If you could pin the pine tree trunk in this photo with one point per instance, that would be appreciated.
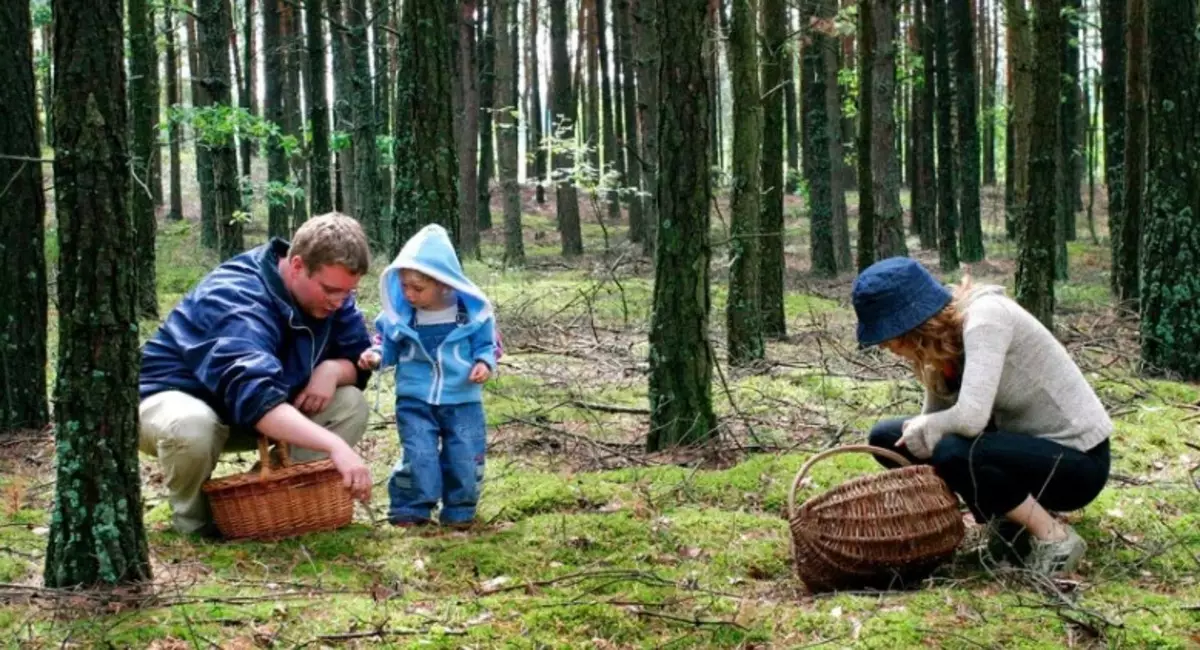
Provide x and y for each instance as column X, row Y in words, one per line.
column 468, row 133
column 248, row 87
column 633, row 170
column 867, row 254
column 1127, row 264
column 839, row 212
column 175, row 172
column 1020, row 58
column 48, row 81
column 991, row 46
column 681, row 410
column 967, row 143
column 342, row 123
column 23, row 292
column 1035, row 261
column 533, row 83
column 563, row 101
column 426, row 160
column 273, row 73
column 317, row 96
column 381, row 17
column 1112, row 74
column 612, row 161
column 644, row 16
column 947, row 220
column 776, row 72
column 743, row 324
column 368, row 208
column 1069, row 123
column 816, row 139
column 924, row 192
column 1064, row 209
column 96, row 534
column 1170, row 328
column 487, row 92
column 791, row 72
column 885, row 161
column 204, row 166
column 507, row 101
column 213, row 24
column 591, row 97
column 718, row 31
column 295, row 47
column 143, row 96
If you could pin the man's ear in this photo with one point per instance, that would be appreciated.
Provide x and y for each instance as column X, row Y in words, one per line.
column 296, row 263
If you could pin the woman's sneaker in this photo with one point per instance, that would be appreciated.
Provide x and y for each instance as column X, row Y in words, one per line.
column 1059, row 556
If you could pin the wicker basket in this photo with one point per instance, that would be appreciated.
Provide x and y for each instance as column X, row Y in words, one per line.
column 882, row 531
column 275, row 503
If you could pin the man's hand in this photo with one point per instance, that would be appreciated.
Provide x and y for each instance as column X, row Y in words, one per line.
column 480, row 373
column 355, row 474
column 319, row 391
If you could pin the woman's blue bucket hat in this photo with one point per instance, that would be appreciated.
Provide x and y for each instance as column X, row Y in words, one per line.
column 893, row 296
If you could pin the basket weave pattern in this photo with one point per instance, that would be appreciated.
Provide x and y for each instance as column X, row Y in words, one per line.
column 880, row 531
column 276, row 503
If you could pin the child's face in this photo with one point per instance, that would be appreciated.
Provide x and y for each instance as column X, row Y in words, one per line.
column 422, row 291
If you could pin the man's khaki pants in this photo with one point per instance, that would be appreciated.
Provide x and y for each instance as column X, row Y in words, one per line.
column 188, row 438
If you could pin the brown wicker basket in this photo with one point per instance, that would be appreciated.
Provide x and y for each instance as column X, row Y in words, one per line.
column 275, row 503
column 882, row 531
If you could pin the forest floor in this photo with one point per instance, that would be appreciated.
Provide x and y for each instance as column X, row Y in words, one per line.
column 590, row 542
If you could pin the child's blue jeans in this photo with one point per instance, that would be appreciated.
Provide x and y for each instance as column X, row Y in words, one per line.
column 444, row 452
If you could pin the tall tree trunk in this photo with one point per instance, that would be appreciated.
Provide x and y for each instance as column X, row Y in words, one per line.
column 791, row 72
column 487, row 85
column 468, row 134
column 837, row 181
column 716, row 26
column 204, row 166
column 591, row 97
column 536, row 151
column 296, row 50
column 776, row 73
column 273, row 112
column 924, row 191
column 1127, row 263
column 816, row 139
column 1112, row 75
column 1064, row 207
column 649, row 53
column 743, row 324
column 426, row 161
column 381, row 17
column 867, row 254
column 1020, row 72
column 1069, row 124
column 681, row 410
column 249, row 85
column 633, row 170
column 143, row 96
column 368, row 207
column 563, row 101
column 96, row 534
column 343, row 125
column 317, row 96
column 1170, row 325
column 47, row 31
column 991, row 46
column 967, row 144
column 612, row 161
column 885, row 159
column 23, row 292
column 1035, row 261
column 174, row 100
column 213, row 25
column 947, row 220
column 506, row 102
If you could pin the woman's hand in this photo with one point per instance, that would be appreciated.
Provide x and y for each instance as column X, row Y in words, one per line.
column 917, row 437
column 369, row 360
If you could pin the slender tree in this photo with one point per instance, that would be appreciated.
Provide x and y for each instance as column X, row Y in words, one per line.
column 294, row 112
column 681, row 410
column 867, row 254
column 791, row 121
column 924, row 191
column 96, row 533
column 23, row 293
column 381, row 17
column 649, row 54
column 204, row 166
column 426, row 161
column 317, row 96
column 989, row 46
column 536, row 157
column 487, row 92
column 612, row 161
column 213, row 24
column 247, row 89
column 1170, row 325
column 1112, row 74
column 343, row 126
column 506, row 127
column 1020, row 74
column 818, row 167
column 1035, row 260
column 174, row 100
column 368, row 206
column 947, row 218
column 466, row 92
column 273, row 74
column 776, row 74
column 629, row 101
column 885, row 159
column 563, row 102
column 967, row 142
column 143, row 96
column 838, row 180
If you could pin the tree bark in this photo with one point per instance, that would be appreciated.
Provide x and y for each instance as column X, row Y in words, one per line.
column 466, row 125
column 204, row 166
column 321, row 193
column 23, row 291
column 507, row 103
column 680, row 387
column 867, row 254
column 1035, row 261
column 296, row 51
column 839, row 213
column 885, row 159
column 743, row 323
column 175, row 173
column 924, row 191
column 248, row 87
column 273, row 112
column 368, row 207
column 967, row 142
column 947, row 219
column 816, row 138
column 566, row 197
column 143, row 97
column 1112, row 74
column 649, row 52
column 213, row 24
column 631, row 141
column 1127, row 263
column 1170, row 328
column 381, row 17
column 487, row 86
column 535, row 149
column 96, row 534
column 1020, row 73
column 342, row 124
column 612, row 161
column 776, row 75
column 791, row 71
column 426, row 161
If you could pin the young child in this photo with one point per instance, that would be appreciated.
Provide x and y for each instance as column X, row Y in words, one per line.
column 437, row 328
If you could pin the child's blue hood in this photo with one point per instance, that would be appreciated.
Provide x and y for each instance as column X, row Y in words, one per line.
column 430, row 252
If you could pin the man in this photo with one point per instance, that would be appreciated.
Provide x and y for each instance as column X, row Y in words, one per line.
column 265, row 344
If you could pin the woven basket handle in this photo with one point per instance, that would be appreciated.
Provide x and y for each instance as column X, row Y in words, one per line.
column 845, row 449
column 264, row 456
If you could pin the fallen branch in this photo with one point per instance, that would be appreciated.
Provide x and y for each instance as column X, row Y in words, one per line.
column 384, row 633
column 608, row 408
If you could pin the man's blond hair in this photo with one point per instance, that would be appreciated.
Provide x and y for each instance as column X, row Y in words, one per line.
column 329, row 239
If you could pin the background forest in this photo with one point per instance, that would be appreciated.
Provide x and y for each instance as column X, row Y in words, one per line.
column 668, row 201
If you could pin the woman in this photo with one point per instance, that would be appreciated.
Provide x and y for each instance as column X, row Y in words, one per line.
column 1009, row 422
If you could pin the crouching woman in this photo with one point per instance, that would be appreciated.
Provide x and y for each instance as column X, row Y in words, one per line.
column 1009, row 422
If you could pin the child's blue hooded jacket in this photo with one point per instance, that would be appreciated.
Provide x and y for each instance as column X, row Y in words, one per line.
column 438, row 376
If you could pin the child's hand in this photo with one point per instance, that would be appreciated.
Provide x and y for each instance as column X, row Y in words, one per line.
column 480, row 373
column 369, row 360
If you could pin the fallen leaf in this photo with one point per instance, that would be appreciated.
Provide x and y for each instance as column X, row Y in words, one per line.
column 495, row 583
column 836, row 612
